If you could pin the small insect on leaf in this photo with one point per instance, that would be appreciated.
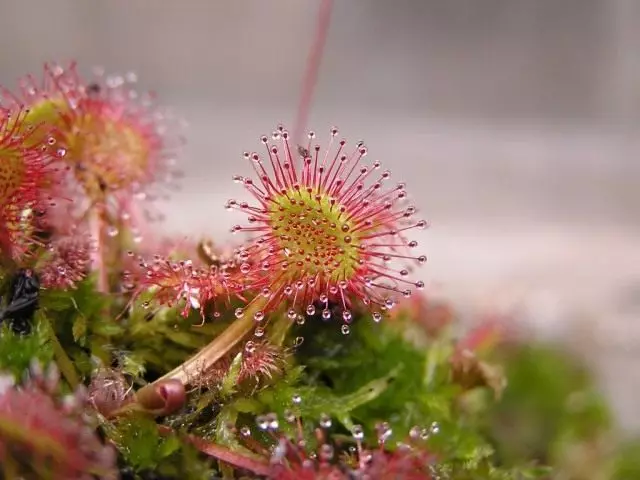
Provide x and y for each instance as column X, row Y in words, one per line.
column 303, row 152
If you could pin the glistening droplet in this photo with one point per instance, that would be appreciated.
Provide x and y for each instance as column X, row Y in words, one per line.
column 325, row 420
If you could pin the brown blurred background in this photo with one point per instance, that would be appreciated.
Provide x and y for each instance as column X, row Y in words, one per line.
column 515, row 123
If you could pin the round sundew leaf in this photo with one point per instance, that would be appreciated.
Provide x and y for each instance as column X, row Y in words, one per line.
column 329, row 231
column 313, row 232
column 111, row 151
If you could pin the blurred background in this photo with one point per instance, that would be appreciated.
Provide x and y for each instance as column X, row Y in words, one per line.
column 515, row 123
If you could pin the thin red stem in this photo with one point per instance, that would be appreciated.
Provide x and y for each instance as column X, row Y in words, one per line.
column 224, row 454
column 313, row 66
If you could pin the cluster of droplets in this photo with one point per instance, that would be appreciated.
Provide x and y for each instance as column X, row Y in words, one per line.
column 181, row 283
column 291, row 458
column 327, row 233
column 260, row 361
column 68, row 262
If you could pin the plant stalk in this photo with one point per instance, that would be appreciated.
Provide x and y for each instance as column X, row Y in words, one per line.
column 312, row 68
column 218, row 348
column 97, row 228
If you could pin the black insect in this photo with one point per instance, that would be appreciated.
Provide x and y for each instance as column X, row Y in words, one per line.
column 93, row 89
column 303, row 152
column 22, row 301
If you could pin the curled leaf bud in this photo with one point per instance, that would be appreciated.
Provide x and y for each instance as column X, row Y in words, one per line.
column 162, row 398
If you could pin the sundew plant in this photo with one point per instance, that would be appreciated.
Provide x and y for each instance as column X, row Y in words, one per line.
column 304, row 349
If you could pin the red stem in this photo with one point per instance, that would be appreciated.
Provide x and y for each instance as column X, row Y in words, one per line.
column 224, row 454
column 313, row 66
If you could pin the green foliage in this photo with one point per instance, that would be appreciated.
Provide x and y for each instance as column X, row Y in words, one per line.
column 144, row 449
column 18, row 351
column 627, row 462
column 551, row 400
column 401, row 383
column 550, row 413
column 145, row 341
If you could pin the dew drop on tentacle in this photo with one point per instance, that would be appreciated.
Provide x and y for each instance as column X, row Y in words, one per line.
column 384, row 432
column 262, row 422
column 325, row 420
column 272, row 421
column 289, row 416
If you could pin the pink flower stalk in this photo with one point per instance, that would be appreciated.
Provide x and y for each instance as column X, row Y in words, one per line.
column 51, row 434
column 68, row 263
column 327, row 231
column 117, row 143
column 26, row 182
column 180, row 283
